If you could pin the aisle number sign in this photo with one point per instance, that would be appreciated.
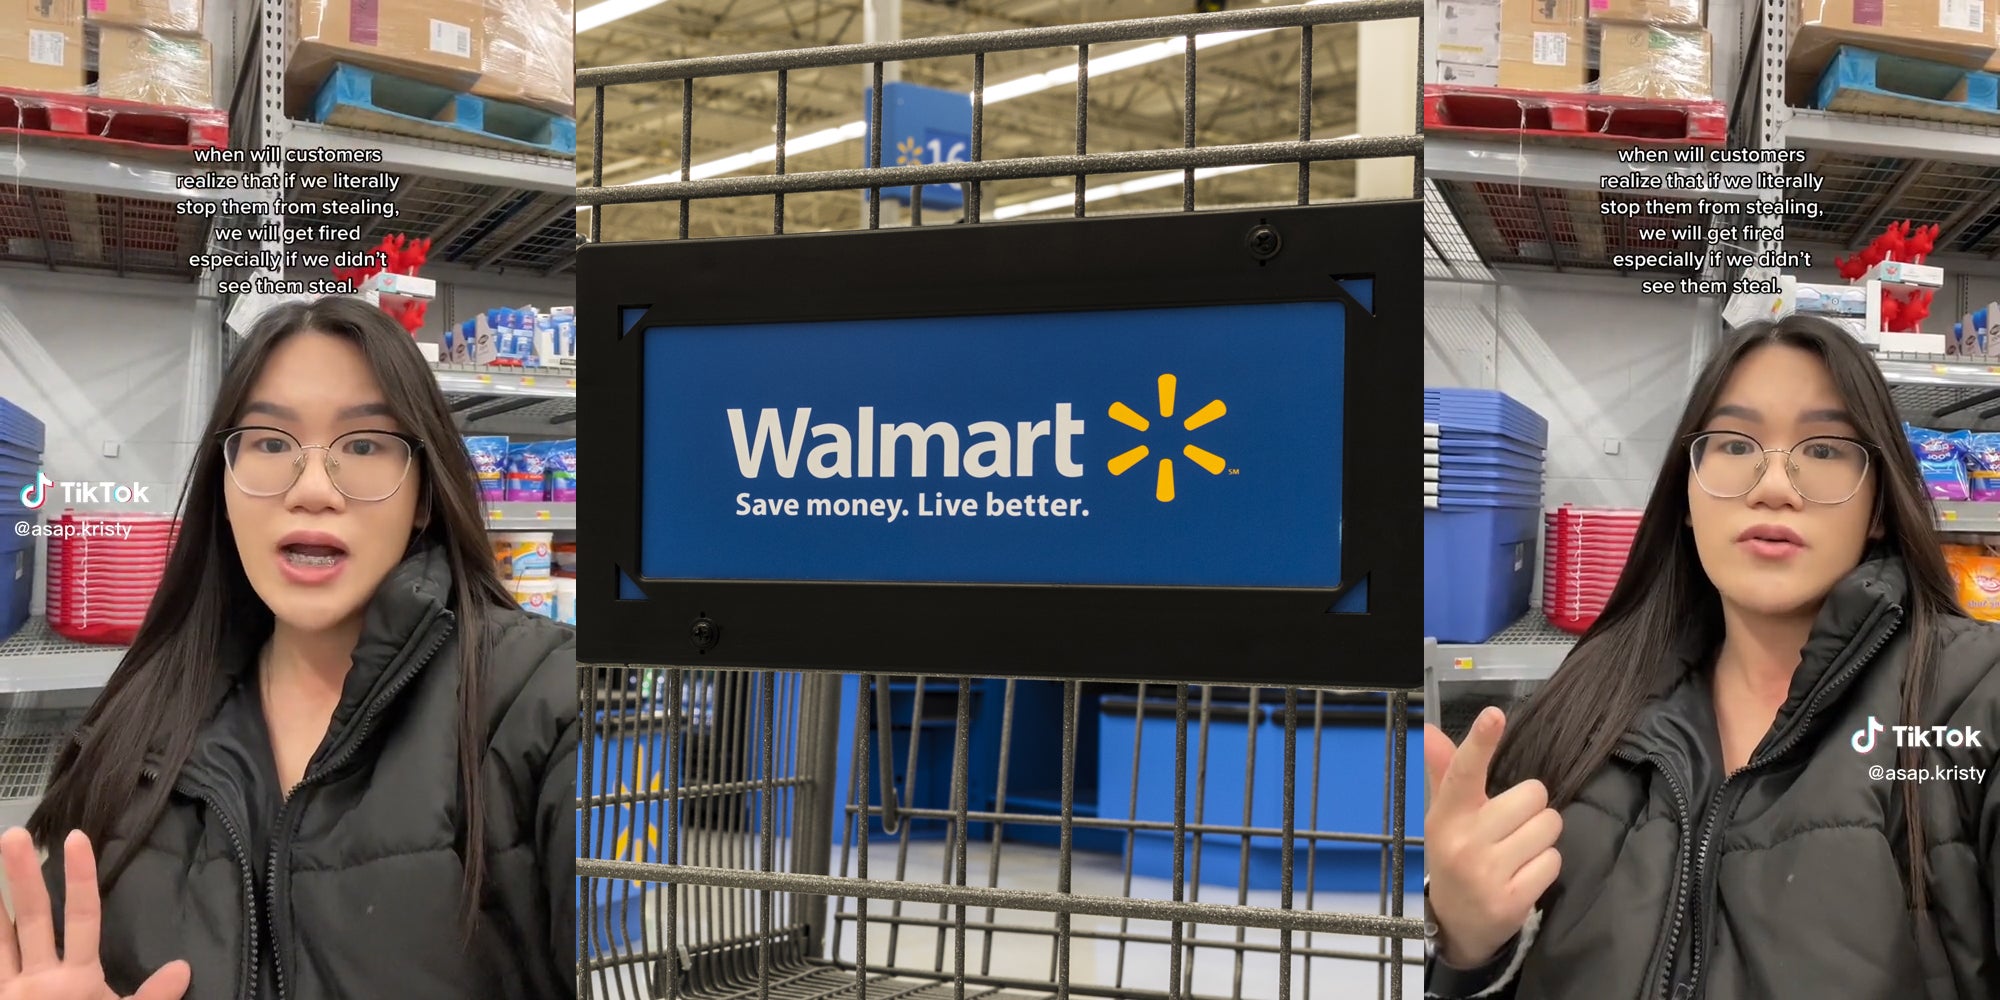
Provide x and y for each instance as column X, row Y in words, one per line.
column 921, row 125
column 1181, row 447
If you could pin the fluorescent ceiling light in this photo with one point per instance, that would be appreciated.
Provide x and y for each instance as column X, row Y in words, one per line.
column 598, row 15
column 1119, row 190
column 1033, row 83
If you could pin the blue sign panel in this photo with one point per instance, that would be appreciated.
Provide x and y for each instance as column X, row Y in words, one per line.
column 922, row 125
column 1142, row 447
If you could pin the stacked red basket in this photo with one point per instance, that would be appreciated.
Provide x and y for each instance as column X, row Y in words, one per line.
column 103, row 571
column 1583, row 551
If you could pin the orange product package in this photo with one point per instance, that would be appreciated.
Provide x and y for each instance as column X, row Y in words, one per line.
column 1978, row 577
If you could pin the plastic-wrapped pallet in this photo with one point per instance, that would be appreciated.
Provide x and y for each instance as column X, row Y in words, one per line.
column 530, row 54
column 154, row 67
column 1667, row 62
column 1647, row 48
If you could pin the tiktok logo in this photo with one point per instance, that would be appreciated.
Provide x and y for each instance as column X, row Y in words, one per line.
column 35, row 494
column 1864, row 739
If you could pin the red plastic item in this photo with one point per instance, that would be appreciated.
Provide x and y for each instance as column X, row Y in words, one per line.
column 1594, row 119
column 1584, row 552
column 101, row 122
column 100, row 586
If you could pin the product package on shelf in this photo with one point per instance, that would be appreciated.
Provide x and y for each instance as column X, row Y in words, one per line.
column 437, row 42
column 180, row 17
column 524, row 337
column 1976, row 571
column 1680, row 13
column 1952, row 32
column 42, row 45
column 489, row 461
column 530, row 54
column 103, row 571
column 541, row 471
column 154, row 67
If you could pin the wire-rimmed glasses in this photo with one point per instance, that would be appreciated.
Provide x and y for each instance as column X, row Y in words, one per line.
column 365, row 466
column 1824, row 470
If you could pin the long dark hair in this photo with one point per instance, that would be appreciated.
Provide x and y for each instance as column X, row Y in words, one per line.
column 1567, row 731
column 168, row 682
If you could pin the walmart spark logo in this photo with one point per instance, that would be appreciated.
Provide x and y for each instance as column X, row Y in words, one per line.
column 629, row 847
column 1210, row 461
column 909, row 152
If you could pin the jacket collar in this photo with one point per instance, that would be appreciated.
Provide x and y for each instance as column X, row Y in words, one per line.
column 1858, row 616
column 400, row 628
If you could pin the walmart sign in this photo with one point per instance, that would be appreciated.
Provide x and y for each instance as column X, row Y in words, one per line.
column 921, row 125
column 1190, row 447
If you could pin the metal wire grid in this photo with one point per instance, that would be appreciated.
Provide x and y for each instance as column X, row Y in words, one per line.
column 82, row 231
column 1189, row 158
column 29, row 740
column 746, row 801
column 1865, row 193
column 480, row 226
column 1448, row 252
column 36, row 640
column 1564, row 229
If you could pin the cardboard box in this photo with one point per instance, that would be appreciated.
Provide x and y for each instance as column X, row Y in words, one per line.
column 530, row 54
column 1644, row 60
column 41, row 45
column 153, row 67
column 1957, row 32
column 440, row 42
column 182, row 16
column 1468, row 43
column 1680, row 12
column 1543, row 45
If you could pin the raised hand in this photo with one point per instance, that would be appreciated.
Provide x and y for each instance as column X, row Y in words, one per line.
column 30, row 968
column 1489, row 859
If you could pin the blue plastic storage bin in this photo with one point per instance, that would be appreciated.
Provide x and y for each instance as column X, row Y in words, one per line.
column 18, row 426
column 1350, row 776
column 1479, row 459
column 17, row 571
column 1486, row 444
column 1486, row 411
column 1479, row 569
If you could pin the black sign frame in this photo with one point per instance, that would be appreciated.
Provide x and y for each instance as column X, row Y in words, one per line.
column 1287, row 636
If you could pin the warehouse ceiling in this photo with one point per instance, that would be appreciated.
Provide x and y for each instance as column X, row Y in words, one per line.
column 1247, row 92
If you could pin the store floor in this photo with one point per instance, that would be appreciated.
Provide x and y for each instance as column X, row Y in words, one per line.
column 1021, row 956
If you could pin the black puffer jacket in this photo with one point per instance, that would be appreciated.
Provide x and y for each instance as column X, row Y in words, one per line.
column 352, row 887
column 1786, row 880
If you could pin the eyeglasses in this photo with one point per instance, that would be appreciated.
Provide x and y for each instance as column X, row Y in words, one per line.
column 365, row 466
column 1824, row 470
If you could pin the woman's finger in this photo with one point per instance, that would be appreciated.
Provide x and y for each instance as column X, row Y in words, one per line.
column 34, row 920
column 82, row 910
column 170, row 983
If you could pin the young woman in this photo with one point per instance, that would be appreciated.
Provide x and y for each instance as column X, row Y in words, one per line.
column 337, row 760
column 1704, row 802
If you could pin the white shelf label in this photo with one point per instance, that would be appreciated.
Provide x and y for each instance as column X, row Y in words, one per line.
column 451, row 39
column 1962, row 15
column 1551, row 48
column 46, row 48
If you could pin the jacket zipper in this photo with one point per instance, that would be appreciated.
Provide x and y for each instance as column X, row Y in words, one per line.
column 1681, row 887
column 1716, row 811
column 287, row 817
column 250, row 967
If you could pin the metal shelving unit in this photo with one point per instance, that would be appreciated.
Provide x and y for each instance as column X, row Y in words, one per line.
column 531, row 516
column 37, row 660
column 1537, row 206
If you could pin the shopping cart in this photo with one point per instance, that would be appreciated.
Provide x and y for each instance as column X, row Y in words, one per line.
column 807, row 835
column 736, row 840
